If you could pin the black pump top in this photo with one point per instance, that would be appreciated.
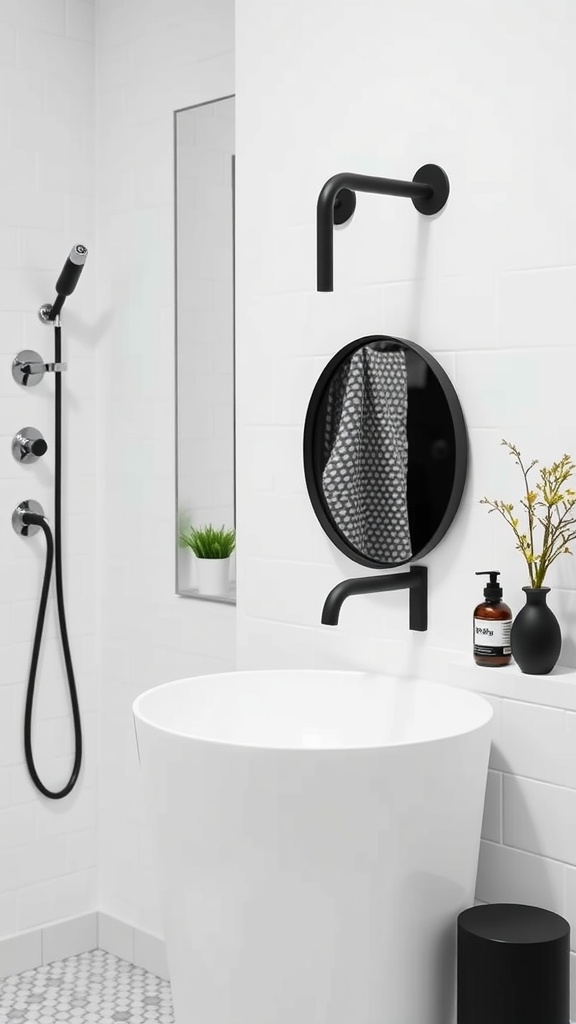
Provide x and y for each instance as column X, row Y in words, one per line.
column 492, row 590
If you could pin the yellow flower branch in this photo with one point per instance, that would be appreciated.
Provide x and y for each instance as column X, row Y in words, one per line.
column 550, row 506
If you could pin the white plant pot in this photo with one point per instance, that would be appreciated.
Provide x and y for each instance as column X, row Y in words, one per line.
column 213, row 576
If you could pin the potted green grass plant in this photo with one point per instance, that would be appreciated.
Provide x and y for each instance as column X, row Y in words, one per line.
column 212, row 549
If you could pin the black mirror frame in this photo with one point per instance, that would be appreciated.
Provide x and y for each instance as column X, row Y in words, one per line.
column 310, row 442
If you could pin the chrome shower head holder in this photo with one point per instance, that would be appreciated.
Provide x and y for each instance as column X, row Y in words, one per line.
column 44, row 313
column 18, row 524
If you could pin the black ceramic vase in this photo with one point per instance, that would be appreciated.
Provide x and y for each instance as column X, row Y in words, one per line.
column 535, row 638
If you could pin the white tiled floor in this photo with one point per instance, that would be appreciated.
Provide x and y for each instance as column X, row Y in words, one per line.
column 91, row 988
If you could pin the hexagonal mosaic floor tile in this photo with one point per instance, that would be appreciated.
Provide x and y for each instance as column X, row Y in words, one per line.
column 91, row 988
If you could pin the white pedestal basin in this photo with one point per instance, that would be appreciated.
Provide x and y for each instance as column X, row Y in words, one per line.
column 318, row 834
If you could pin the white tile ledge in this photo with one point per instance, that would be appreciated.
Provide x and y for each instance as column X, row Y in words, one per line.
column 555, row 690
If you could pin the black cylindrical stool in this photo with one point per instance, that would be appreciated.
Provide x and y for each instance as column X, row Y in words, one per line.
column 513, row 966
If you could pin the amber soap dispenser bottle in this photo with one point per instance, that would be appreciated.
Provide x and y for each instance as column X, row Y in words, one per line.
column 492, row 625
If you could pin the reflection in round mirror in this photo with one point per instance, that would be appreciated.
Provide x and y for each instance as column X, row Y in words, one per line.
column 385, row 451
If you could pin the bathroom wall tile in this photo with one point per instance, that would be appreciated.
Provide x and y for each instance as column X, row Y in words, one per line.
column 41, row 15
column 571, row 903
column 10, row 750
column 69, row 175
column 286, row 602
column 275, row 462
column 20, row 953
column 5, row 787
column 490, row 470
column 150, row 953
column 564, row 606
column 282, row 391
column 44, row 51
column 540, row 818
column 79, row 816
column 66, row 896
column 115, row 937
column 11, row 336
column 18, row 170
column 507, row 875
column 483, row 384
column 80, row 19
column 8, row 45
column 81, row 849
column 34, row 862
column 492, row 821
column 535, row 306
column 68, row 938
column 495, row 726
column 269, row 644
column 536, row 742
column 19, row 289
column 290, row 515
column 9, row 247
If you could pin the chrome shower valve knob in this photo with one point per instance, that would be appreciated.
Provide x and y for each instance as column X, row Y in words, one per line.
column 28, row 368
column 28, row 445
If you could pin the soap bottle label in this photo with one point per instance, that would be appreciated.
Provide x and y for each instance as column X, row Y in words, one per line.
column 492, row 637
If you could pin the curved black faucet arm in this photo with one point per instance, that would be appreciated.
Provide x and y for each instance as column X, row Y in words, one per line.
column 428, row 190
column 416, row 581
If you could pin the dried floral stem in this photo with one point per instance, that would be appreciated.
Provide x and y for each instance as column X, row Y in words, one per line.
column 548, row 506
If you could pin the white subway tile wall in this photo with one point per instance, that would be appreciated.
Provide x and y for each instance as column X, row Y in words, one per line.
column 152, row 58
column 487, row 286
column 47, row 849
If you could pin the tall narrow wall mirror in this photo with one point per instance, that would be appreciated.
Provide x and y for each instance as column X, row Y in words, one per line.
column 204, row 232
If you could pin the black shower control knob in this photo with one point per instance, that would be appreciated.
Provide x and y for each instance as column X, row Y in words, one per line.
column 38, row 447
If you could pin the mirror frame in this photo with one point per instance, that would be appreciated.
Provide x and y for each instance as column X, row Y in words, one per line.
column 311, row 441
column 180, row 591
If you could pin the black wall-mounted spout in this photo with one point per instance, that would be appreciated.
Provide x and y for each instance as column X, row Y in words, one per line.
column 428, row 190
column 416, row 580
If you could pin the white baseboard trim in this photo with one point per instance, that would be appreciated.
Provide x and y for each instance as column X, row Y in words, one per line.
column 38, row 946
column 133, row 944
column 97, row 930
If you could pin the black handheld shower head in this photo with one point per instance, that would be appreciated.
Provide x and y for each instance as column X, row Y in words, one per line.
column 68, row 279
column 71, row 270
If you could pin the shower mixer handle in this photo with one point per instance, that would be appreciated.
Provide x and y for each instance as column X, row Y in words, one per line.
column 28, row 368
column 28, row 445
column 44, row 367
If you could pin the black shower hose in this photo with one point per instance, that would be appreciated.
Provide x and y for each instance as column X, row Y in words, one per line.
column 53, row 555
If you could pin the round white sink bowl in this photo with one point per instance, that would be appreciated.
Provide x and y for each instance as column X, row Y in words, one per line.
column 318, row 834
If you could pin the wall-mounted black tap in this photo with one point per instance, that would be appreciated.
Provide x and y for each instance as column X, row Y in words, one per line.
column 428, row 190
column 416, row 581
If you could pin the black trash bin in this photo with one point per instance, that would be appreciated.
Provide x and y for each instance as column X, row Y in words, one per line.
column 513, row 966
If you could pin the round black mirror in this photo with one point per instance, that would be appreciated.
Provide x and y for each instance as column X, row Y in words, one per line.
column 385, row 451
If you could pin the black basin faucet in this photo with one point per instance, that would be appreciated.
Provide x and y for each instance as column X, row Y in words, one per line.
column 416, row 581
